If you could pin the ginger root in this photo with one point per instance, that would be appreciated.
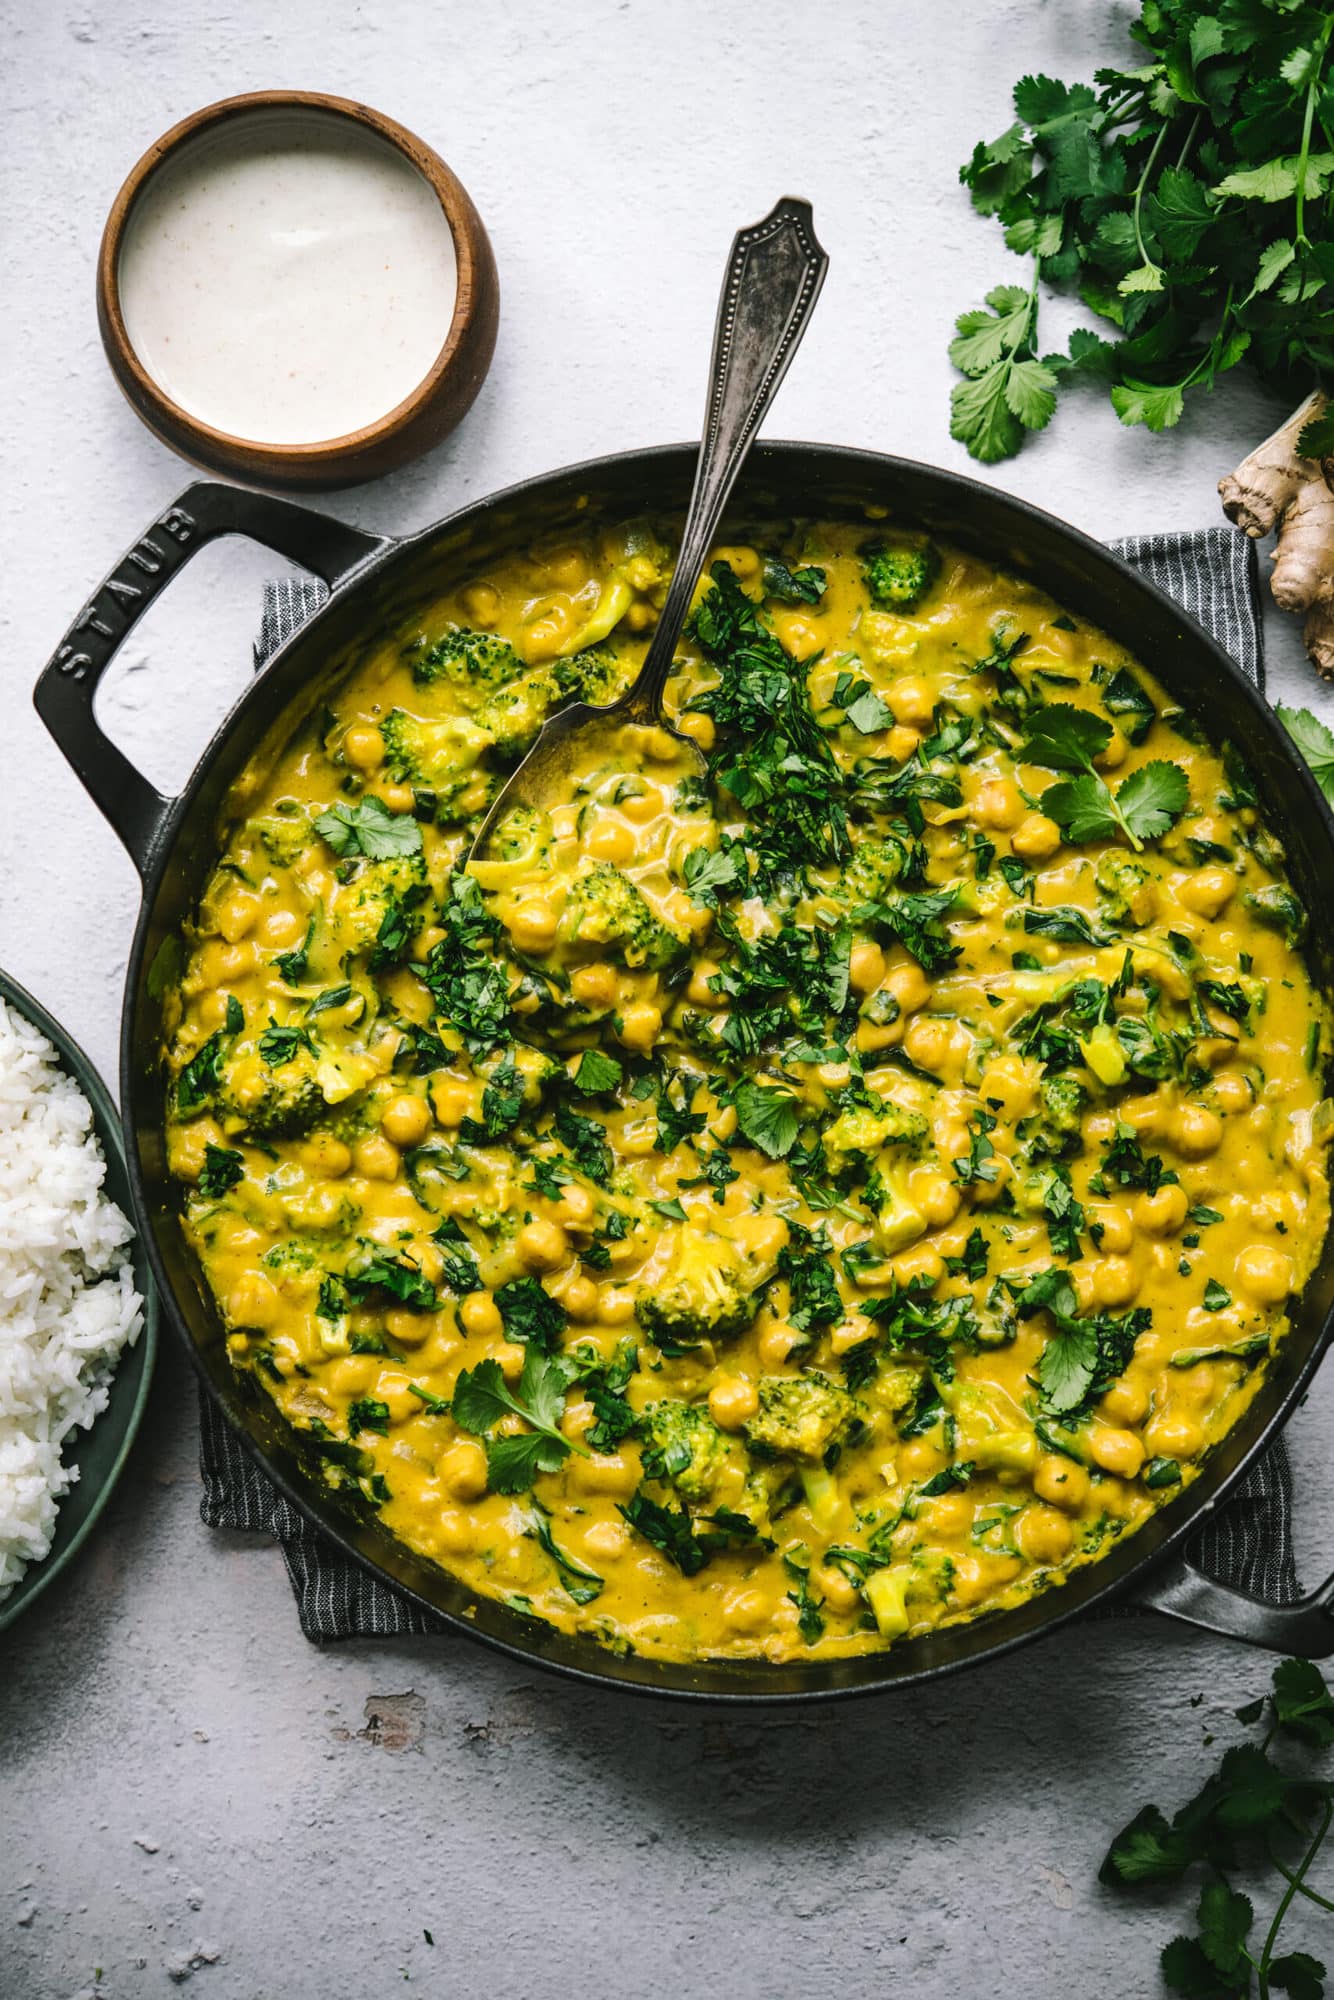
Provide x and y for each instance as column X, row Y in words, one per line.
column 1275, row 488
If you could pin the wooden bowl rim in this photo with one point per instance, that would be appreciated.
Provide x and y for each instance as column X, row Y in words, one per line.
column 211, row 444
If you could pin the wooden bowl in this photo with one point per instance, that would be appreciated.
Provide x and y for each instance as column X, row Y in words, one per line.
column 421, row 420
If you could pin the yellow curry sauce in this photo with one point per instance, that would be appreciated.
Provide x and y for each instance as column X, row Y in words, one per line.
column 772, row 1214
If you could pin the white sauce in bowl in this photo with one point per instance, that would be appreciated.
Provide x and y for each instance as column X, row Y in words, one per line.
column 288, row 278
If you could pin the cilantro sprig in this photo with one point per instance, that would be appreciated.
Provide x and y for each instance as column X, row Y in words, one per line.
column 482, row 1398
column 1253, row 1812
column 1144, row 806
column 1185, row 198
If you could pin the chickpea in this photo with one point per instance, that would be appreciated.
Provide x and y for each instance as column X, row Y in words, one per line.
column 640, row 1026
column 775, row 1344
column 871, row 1037
column 699, row 728
column 1036, row 837
column 1231, row 1092
column 1117, row 1451
column 1195, row 1388
column 640, row 616
column 926, row 1039
column 280, row 928
column 450, row 1101
column 733, row 1402
column 353, row 1374
column 950, row 1517
column 234, row 961
column 237, row 914
column 455, row 1533
column 574, row 1207
column 479, row 1314
column 1208, row 891
column 611, row 1473
column 643, row 806
column 919, row 1458
column 1118, row 1231
column 762, row 1235
column 614, row 1307
column 1125, row 1402
column 463, row 1470
column 481, row 603
column 510, row 1356
column 1163, row 1213
column 746, row 1610
column 541, row 1246
column 939, row 1199
column 253, row 1301
column 911, row 701
column 798, row 634
column 901, row 742
column 533, row 926
column 398, row 798
column 1007, row 1080
column 1061, row 1482
column 1173, row 1437
column 610, row 840
column 866, row 967
column 723, row 1124
column 1115, row 1281
column 595, row 985
column 363, row 746
column 1196, row 1131
column 409, row 1329
column 606, row 1540
column 212, row 1011
column 580, row 1298
column 376, row 1158
column 910, row 987
column 838, row 1592
column 920, row 1262
column 548, row 628
column 742, row 558
column 1044, row 1534
column 699, row 992
column 998, row 804
column 1264, row 1275
column 406, row 1120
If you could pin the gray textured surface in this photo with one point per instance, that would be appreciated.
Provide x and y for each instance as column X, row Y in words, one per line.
column 190, row 1791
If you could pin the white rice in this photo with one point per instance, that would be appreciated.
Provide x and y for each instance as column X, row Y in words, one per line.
column 67, row 1300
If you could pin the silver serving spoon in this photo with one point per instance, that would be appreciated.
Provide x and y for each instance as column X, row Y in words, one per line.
column 773, row 279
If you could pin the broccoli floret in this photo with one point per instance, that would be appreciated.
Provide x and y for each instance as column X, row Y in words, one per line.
column 471, row 659
column 876, row 865
column 860, row 1131
column 801, row 1416
column 279, row 1103
column 1276, row 906
column 360, row 906
column 1125, row 887
column 684, row 1445
column 710, row 1292
column 524, row 836
column 514, row 714
column 605, row 909
column 898, row 575
column 441, row 755
column 1053, row 1134
column 594, row 675
column 284, row 836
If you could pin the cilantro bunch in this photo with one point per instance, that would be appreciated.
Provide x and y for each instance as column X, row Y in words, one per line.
column 1187, row 201
column 1253, row 1812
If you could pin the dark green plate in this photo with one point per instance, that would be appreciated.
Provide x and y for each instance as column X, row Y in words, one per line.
column 99, row 1453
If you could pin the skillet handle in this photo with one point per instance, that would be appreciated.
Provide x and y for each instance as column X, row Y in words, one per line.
column 65, row 693
column 1179, row 1590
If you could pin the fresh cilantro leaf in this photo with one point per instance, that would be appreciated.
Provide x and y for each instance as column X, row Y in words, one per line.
column 221, row 1170
column 869, row 712
column 587, row 1141
column 1313, row 738
column 1151, row 799
column 767, row 1117
column 1065, row 738
column 370, row 829
column 597, row 1073
column 714, row 872
column 793, row 586
column 377, row 1270
column 530, row 1314
column 482, row 1397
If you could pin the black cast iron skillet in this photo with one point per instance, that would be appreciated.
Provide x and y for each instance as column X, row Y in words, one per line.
column 376, row 581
